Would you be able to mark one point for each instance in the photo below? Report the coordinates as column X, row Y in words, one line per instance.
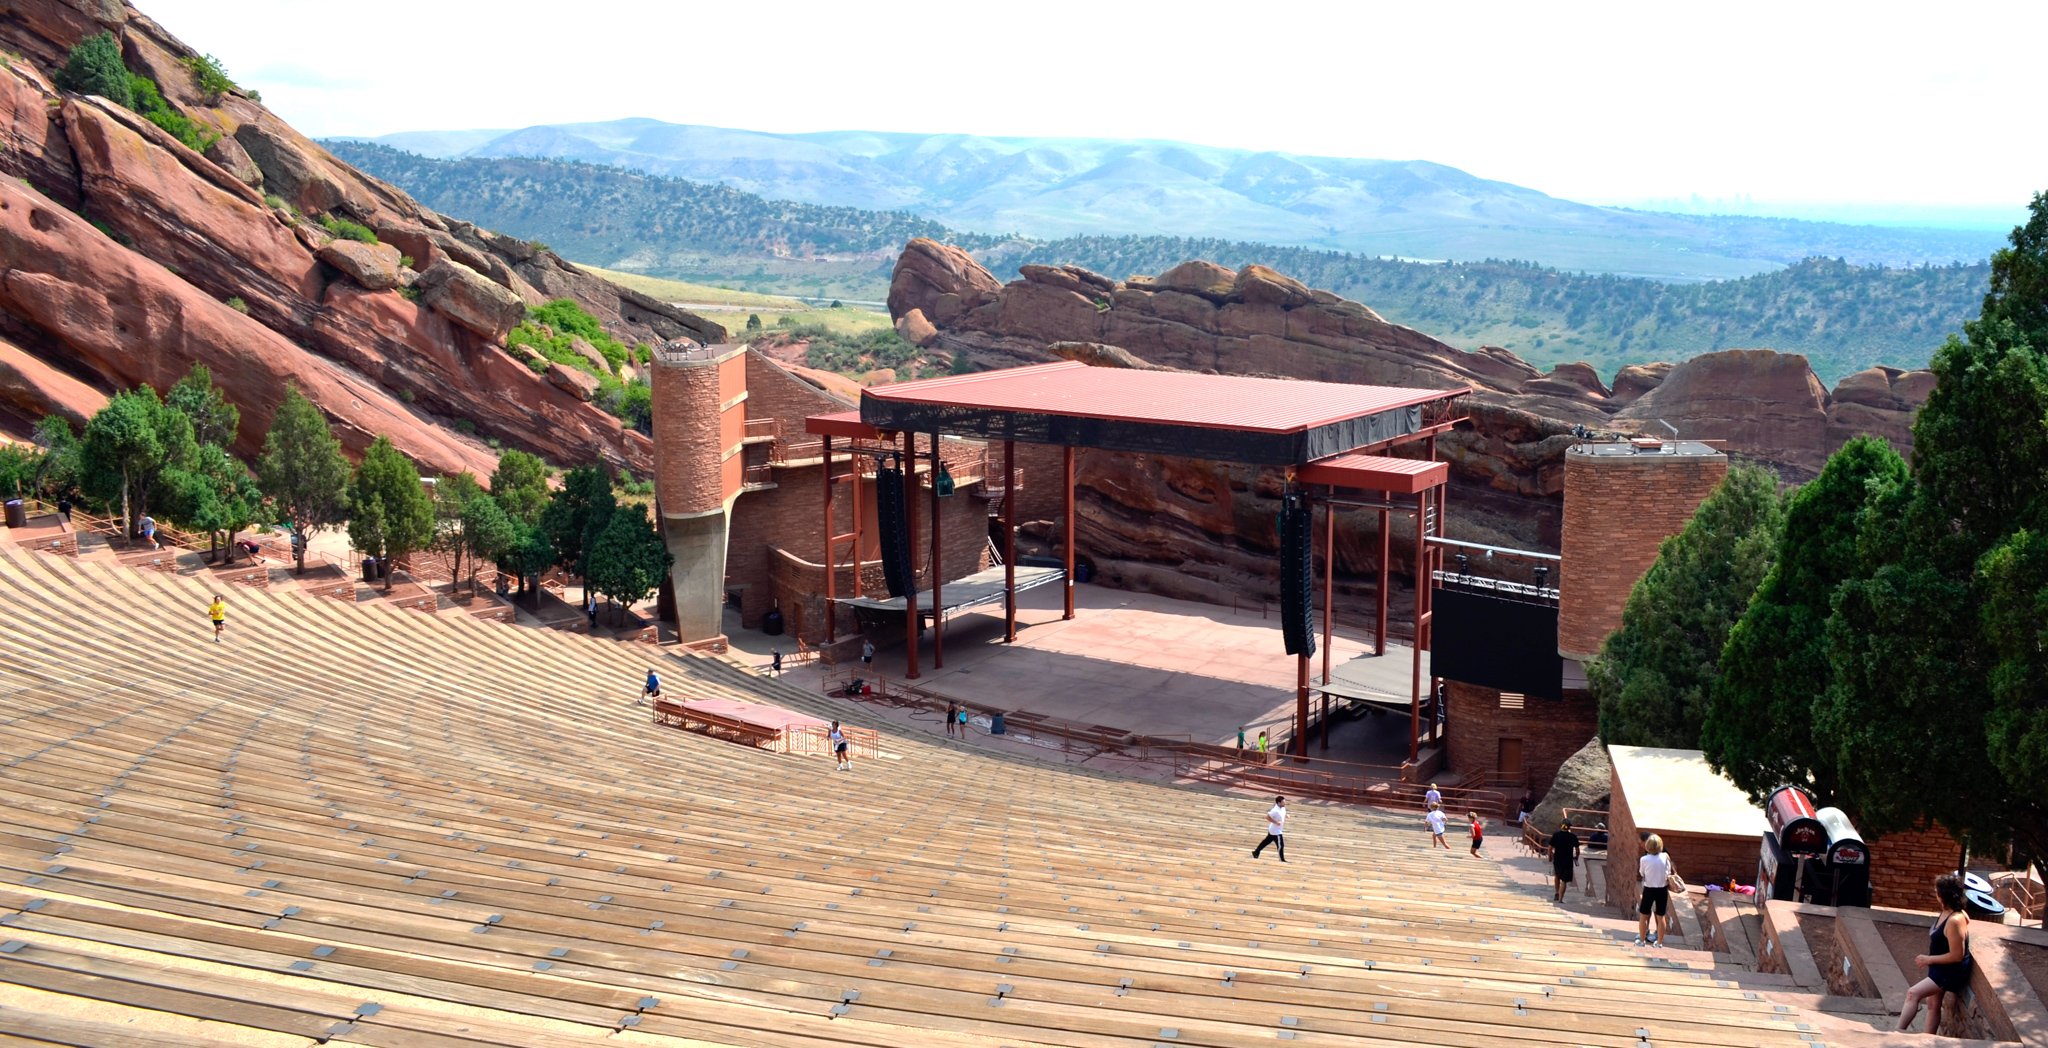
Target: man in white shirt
column 1435, row 818
column 1276, row 829
column 1654, row 871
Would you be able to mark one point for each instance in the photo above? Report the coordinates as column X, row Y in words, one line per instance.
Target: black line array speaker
column 1297, row 576
column 893, row 521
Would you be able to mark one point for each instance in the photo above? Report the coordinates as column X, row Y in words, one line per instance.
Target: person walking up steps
column 1276, row 829
column 1564, row 855
column 1432, row 798
column 867, row 652
column 652, row 690
column 1435, row 818
column 1478, row 834
column 1948, row 970
column 218, row 612
column 775, row 661
column 1654, row 871
column 839, row 750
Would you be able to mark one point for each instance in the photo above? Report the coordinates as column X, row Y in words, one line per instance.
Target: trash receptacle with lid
column 995, row 724
column 17, row 514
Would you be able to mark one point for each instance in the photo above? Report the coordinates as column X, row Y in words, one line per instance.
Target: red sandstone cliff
column 125, row 257
column 1200, row 529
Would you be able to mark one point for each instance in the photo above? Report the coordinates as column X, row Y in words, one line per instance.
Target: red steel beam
column 910, row 569
column 1009, row 542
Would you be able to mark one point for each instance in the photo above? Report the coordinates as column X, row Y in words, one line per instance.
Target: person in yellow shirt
column 218, row 612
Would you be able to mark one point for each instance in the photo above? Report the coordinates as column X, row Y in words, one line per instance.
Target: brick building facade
column 1710, row 829
column 1620, row 504
column 1513, row 736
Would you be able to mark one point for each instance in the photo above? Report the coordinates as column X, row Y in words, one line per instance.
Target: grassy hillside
column 696, row 294
column 1842, row 316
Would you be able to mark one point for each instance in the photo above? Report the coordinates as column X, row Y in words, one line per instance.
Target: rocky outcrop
column 1584, row 782
column 180, row 235
column 470, row 299
column 374, row 267
column 1139, row 517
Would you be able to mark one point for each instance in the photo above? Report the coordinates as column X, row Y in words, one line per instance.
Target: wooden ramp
column 358, row 825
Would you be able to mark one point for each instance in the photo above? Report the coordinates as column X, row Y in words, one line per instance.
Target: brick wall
column 1617, row 510
column 1903, row 866
column 1551, row 731
column 690, row 445
column 775, row 393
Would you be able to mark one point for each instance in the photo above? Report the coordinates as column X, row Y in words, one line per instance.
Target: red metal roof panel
column 1181, row 398
column 1399, row 476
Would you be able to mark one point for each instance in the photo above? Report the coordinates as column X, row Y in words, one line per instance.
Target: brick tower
column 700, row 395
column 1621, row 500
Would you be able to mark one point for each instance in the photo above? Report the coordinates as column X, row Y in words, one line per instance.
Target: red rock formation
column 187, row 233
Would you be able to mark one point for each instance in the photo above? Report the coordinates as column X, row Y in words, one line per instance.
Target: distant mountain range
column 1844, row 317
column 1056, row 187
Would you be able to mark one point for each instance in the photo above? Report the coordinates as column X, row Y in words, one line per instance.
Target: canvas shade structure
column 1321, row 433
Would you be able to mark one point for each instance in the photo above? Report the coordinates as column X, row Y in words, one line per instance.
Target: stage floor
column 1140, row 662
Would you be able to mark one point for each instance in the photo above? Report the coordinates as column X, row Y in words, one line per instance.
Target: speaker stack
column 1297, row 575
column 893, row 522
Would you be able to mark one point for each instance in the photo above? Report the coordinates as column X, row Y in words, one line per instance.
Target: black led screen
column 1496, row 642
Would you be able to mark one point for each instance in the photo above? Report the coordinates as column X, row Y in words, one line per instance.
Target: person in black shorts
column 839, row 752
column 1947, row 958
column 1564, row 854
column 1653, row 870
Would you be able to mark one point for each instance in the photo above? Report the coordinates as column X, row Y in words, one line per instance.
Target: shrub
column 753, row 322
column 238, row 305
column 275, row 202
column 208, row 75
column 465, row 426
column 494, row 443
column 636, row 406
column 95, row 68
column 406, row 395
column 149, row 102
column 410, row 293
column 405, row 260
column 344, row 229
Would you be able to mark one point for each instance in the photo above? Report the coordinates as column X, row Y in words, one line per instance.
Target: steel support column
column 910, row 541
column 938, row 571
column 831, row 575
column 1421, row 593
column 1009, row 542
column 1329, row 603
column 1068, row 468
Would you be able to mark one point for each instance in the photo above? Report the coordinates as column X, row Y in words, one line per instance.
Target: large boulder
column 912, row 327
column 1584, row 782
column 470, row 299
column 290, row 171
column 374, row 267
column 1196, row 277
column 929, row 271
column 572, row 380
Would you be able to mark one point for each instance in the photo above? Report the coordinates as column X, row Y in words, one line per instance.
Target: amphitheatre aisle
column 359, row 825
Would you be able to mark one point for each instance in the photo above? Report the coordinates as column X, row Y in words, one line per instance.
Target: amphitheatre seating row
column 350, row 824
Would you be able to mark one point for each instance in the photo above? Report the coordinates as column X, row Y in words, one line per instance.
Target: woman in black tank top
column 1947, row 958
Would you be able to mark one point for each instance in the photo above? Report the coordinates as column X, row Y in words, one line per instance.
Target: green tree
column 1935, row 707
column 304, row 471
column 527, row 556
column 636, row 406
column 19, row 464
column 390, row 512
column 577, row 512
column 215, row 494
column 1776, row 661
column 487, row 532
column 127, row 447
column 627, row 558
column 1654, row 674
column 57, row 471
column 520, row 484
column 214, row 420
column 94, row 67
column 753, row 322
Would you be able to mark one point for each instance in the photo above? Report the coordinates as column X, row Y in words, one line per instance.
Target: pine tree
column 95, row 68
column 391, row 513
column 127, row 447
column 1654, row 674
column 304, row 472
column 520, row 484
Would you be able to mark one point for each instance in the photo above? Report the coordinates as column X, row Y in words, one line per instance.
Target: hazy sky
column 1607, row 103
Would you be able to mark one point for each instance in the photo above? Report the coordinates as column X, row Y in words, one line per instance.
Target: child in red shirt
column 1478, row 833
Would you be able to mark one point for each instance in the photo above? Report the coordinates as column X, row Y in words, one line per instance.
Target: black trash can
column 995, row 724
column 369, row 569
column 771, row 623
column 1982, row 907
column 17, row 514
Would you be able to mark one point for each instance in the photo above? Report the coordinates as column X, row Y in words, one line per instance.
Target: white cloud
column 1598, row 102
